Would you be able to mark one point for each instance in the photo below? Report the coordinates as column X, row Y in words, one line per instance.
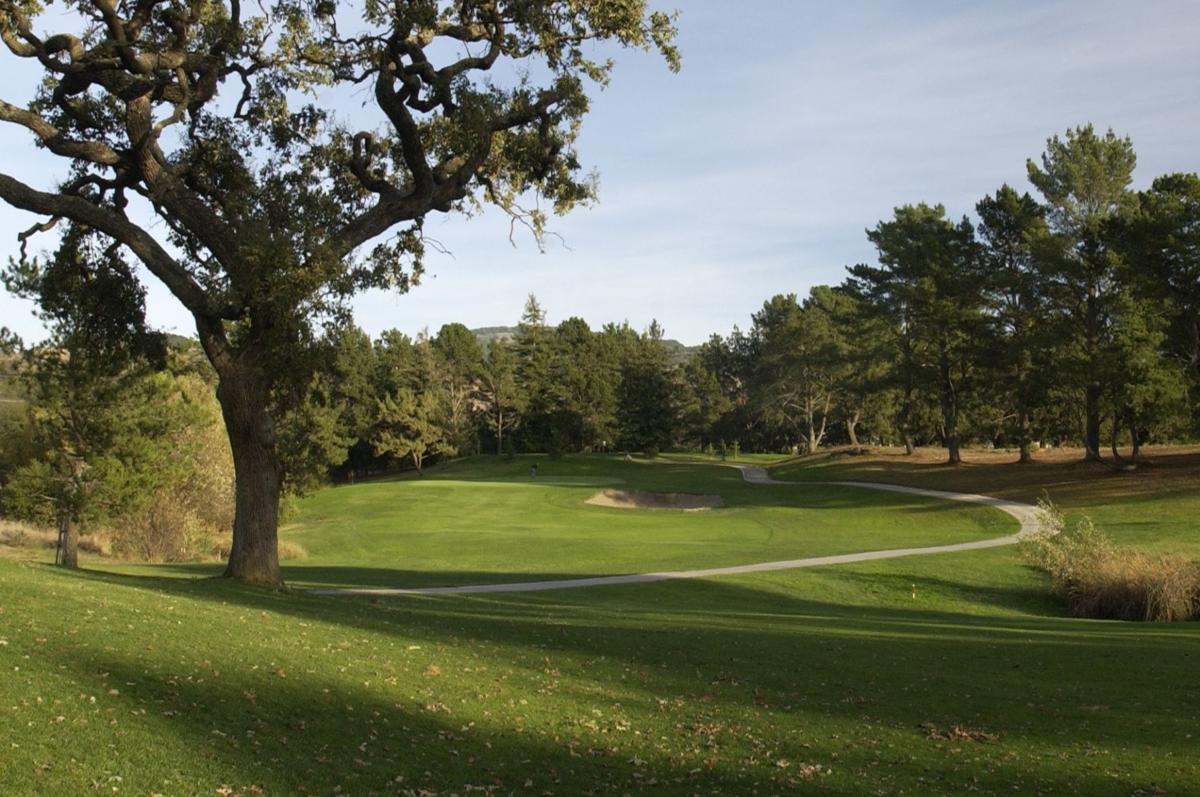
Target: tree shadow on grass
column 699, row 628
column 713, row 652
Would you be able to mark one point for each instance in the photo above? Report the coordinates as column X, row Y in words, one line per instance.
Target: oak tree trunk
column 254, row 557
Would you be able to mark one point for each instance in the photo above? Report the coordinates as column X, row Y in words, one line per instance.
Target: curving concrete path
column 1026, row 515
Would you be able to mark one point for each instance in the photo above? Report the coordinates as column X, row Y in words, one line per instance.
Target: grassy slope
column 476, row 521
column 691, row 687
column 1153, row 507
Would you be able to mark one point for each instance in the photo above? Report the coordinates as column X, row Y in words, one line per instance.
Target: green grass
column 1155, row 507
column 479, row 520
column 832, row 680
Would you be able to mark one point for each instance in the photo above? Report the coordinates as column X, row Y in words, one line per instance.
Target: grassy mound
column 485, row 520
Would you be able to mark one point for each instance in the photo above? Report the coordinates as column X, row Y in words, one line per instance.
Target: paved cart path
column 1026, row 515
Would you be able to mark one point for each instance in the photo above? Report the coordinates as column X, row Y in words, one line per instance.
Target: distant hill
column 486, row 335
column 678, row 352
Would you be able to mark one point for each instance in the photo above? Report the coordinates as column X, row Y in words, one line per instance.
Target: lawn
column 836, row 680
column 481, row 520
column 1156, row 506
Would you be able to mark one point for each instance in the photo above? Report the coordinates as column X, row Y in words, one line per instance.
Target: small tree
column 458, row 360
column 101, row 420
column 500, row 397
column 410, row 425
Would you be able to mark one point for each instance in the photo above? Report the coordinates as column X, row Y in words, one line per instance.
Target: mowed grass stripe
column 482, row 520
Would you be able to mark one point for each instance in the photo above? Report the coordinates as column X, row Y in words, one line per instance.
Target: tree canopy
column 216, row 119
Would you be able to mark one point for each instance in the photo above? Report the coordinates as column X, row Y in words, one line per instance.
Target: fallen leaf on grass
column 957, row 733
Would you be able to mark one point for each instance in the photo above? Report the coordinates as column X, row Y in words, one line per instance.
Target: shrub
column 17, row 534
column 1099, row 580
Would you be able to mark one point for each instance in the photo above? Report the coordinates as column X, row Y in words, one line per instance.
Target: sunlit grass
column 928, row 675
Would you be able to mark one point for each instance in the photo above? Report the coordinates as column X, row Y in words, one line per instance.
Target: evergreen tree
column 458, row 363
column 1014, row 234
column 928, row 288
column 534, row 364
column 1084, row 178
column 645, row 409
column 500, row 396
column 101, row 418
column 411, row 425
column 1161, row 243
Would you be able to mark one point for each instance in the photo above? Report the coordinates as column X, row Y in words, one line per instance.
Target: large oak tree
column 217, row 120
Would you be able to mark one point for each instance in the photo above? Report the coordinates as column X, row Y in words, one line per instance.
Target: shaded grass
column 783, row 683
column 818, row 681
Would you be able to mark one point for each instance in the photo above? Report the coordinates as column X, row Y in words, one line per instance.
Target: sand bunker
column 639, row 499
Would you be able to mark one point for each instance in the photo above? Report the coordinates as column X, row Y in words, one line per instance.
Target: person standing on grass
column 533, row 471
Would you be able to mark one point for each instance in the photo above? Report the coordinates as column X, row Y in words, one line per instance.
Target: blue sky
column 791, row 128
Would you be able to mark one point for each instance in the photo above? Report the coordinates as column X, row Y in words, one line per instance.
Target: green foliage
column 315, row 436
column 646, row 412
column 103, row 442
column 1020, row 333
column 928, row 288
column 88, row 290
column 410, row 425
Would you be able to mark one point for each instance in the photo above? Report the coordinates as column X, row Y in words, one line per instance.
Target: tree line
column 1067, row 317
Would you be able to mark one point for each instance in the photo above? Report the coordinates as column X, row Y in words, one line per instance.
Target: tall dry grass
column 20, row 535
column 1101, row 581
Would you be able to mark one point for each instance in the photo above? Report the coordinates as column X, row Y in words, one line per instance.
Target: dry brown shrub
column 189, row 518
column 1130, row 585
column 291, row 550
column 164, row 531
column 222, row 543
column 99, row 543
column 1101, row 581
column 16, row 534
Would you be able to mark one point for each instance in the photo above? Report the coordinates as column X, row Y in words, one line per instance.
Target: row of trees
column 1054, row 319
column 400, row 400
column 1066, row 318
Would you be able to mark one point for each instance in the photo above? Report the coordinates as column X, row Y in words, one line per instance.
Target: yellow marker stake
column 914, row 591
